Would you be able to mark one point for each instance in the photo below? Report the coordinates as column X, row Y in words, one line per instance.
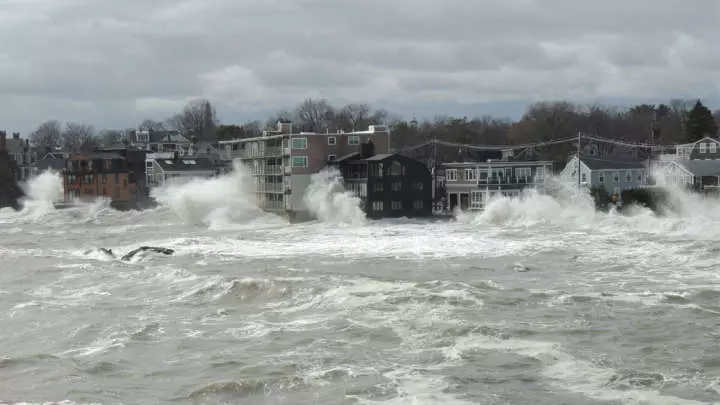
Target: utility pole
column 578, row 159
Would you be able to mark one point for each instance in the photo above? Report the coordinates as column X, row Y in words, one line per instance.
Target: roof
column 98, row 155
column 601, row 164
column 701, row 167
column 379, row 157
column 185, row 164
column 349, row 156
column 51, row 163
column 15, row 145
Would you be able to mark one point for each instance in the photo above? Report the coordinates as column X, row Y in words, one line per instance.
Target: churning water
column 535, row 301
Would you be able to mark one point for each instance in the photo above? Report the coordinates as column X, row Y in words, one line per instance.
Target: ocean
column 538, row 301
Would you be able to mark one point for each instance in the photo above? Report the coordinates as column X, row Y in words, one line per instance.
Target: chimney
column 367, row 149
column 3, row 140
column 16, row 135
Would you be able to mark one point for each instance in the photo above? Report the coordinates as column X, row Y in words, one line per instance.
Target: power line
column 541, row 144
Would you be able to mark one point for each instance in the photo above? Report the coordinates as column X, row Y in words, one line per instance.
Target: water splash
column 328, row 200
column 216, row 202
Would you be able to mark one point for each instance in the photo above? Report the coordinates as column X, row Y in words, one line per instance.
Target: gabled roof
column 701, row 167
column 349, row 156
column 185, row 164
column 378, row 158
column 601, row 164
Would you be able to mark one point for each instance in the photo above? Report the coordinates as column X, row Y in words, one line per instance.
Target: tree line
column 678, row 121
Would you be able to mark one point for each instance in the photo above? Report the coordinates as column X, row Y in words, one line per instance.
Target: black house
column 390, row 185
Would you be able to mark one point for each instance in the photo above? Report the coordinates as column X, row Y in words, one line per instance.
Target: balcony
column 274, row 187
column 274, row 205
column 273, row 152
column 507, row 180
column 273, row 169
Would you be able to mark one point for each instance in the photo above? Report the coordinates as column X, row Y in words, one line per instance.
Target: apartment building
column 116, row 174
column 281, row 162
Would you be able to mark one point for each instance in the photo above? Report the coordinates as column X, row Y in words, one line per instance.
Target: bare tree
column 47, row 136
column 152, row 125
column 252, row 128
column 315, row 116
column 198, row 121
column 110, row 137
column 78, row 136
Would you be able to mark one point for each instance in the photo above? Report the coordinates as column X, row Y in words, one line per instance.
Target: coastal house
column 117, row 174
column 54, row 161
column 694, row 174
column 20, row 151
column 164, row 168
column 389, row 184
column 612, row 175
column 281, row 162
column 470, row 185
column 704, row 149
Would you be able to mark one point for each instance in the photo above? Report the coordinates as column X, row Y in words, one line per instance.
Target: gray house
column 22, row 153
column 614, row 176
column 695, row 174
column 469, row 185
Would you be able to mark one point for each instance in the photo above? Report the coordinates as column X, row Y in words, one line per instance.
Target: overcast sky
column 113, row 63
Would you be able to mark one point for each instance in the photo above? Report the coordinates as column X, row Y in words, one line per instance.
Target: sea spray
column 328, row 200
column 219, row 201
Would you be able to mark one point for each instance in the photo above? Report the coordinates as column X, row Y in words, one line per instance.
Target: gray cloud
column 114, row 63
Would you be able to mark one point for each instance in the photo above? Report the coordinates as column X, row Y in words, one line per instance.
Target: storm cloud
column 114, row 63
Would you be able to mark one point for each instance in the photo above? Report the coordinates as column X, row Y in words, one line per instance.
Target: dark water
column 527, row 308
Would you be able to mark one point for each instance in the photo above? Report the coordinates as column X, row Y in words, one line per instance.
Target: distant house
column 470, row 185
column 694, row 174
column 704, row 149
column 389, row 184
column 163, row 169
column 614, row 176
column 20, row 151
column 55, row 161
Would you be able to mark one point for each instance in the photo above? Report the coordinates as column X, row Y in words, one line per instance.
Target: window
column 418, row 204
column 540, row 173
column 104, row 179
column 584, row 177
column 452, row 175
column 523, row 172
column 190, row 162
column 331, row 157
column 419, row 185
column 397, row 169
column 396, row 186
column 353, row 140
column 628, row 176
column 299, row 161
column 616, row 177
column 470, row 175
column 298, row 143
column 713, row 147
column 332, row 141
column 377, row 205
column 396, row 205
column 378, row 187
column 703, row 147
column 601, row 179
column 88, row 178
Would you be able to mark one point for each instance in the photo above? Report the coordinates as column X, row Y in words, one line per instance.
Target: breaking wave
column 217, row 202
column 328, row 200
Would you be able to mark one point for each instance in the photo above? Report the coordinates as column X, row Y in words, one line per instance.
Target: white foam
column 327, row 199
